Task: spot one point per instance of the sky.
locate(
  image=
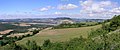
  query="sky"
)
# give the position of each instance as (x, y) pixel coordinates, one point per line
(98, 9)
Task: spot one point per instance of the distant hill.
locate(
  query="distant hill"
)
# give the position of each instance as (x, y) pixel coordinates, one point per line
(63, 18)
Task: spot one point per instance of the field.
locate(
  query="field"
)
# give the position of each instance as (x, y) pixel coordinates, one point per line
(19, 28)
(22, 24)
(59, 35)
(6, 32)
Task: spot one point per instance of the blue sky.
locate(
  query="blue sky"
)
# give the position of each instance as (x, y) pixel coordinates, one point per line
(11, 9)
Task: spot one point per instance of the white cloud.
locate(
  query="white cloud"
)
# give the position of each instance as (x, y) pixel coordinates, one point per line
(67, 7)
(43, 9)
(98, 9)
(57, 13)
(115, 10)
(105, 3)
(92, 6)
(88, 9)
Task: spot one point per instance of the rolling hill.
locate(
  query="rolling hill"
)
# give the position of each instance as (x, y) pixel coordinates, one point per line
(59, 35)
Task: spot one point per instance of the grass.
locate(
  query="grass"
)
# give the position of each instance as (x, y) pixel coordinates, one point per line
(59, 35)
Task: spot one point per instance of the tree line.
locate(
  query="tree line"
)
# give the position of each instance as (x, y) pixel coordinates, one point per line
(76, 25)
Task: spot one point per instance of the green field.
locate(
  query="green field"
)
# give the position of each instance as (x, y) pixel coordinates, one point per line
(59, 35)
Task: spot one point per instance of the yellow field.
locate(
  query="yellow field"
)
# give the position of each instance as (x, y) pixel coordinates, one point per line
(59, 35)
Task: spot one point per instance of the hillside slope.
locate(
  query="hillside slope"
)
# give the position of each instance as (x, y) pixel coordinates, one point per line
(59, 35)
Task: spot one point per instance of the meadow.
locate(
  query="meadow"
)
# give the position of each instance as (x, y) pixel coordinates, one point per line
(59, 35)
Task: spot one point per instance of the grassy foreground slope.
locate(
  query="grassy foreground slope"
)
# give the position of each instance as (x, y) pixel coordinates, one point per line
(59, 35)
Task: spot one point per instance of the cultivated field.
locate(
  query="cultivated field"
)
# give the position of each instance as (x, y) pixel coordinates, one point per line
(59, 35)
(22, 24)
(5, 32)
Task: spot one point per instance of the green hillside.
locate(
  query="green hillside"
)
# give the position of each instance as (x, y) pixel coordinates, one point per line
(59, 35)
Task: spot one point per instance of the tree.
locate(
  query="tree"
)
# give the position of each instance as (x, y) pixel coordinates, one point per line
(46, 43)
(13, 46)
(31, 45)
(1, 43)
(35, 32)
(115, 23)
